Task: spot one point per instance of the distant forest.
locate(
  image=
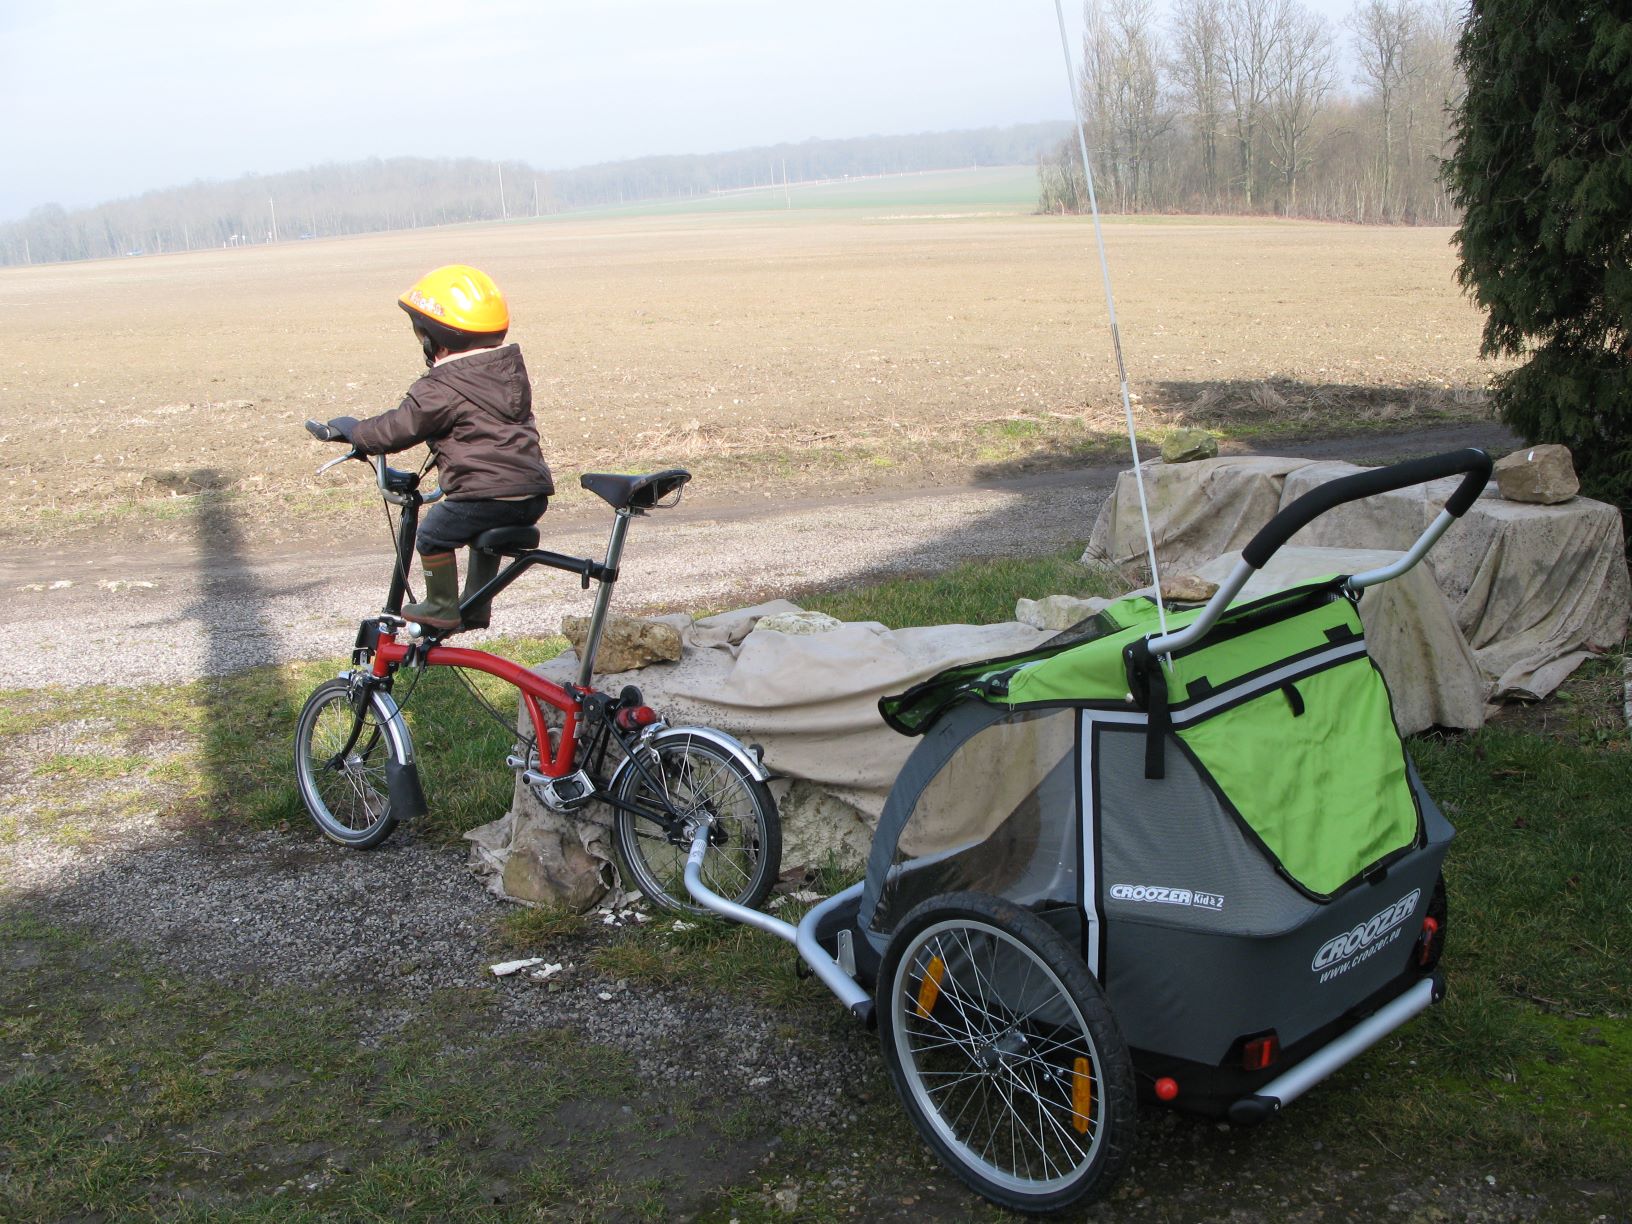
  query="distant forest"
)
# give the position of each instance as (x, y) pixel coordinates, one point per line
(409, 192)
(1244, 106)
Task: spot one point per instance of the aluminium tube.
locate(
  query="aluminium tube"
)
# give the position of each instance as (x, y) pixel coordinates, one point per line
(603, 597)
(803, 938)
(1288, 1087)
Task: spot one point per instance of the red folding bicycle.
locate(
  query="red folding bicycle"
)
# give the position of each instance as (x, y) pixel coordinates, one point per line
(354, 757)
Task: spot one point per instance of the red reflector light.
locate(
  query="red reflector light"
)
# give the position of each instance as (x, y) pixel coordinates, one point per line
(636, 716)
(1425, 941)
(1167, 1088)
(1260, 1053)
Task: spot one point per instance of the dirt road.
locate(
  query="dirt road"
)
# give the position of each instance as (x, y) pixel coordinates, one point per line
(140, 614)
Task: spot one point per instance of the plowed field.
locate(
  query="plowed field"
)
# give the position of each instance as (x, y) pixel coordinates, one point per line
(761, 350)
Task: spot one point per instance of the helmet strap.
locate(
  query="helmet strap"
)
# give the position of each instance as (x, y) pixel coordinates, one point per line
(427, 345)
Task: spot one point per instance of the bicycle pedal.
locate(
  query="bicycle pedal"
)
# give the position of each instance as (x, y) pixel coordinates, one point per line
(566, 794)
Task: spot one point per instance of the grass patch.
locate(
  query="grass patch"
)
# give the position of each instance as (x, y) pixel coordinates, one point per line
(975, 593)
(527, 928)
(131, 1093)
(221, 750)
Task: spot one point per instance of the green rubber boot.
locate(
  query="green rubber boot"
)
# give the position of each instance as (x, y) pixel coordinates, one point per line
(440, 607)
(484, 567)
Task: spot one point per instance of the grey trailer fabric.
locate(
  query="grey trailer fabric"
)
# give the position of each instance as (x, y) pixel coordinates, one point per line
(990, 805)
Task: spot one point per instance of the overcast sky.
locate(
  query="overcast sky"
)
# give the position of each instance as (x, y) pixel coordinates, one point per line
(109, 98)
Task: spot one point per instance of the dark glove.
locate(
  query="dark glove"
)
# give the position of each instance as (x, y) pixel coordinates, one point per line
(342, 426)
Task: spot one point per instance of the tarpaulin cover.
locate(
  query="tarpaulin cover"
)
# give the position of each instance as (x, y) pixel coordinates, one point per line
(1534, 589)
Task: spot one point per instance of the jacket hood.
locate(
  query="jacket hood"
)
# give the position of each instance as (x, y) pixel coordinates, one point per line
(495, 379)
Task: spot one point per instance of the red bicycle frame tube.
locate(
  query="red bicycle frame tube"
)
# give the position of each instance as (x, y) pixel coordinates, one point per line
(534, 689)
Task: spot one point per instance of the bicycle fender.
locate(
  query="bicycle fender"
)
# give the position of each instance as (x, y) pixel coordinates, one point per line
(392, 723)
(407, 796)
(732, 746)
(402, 786)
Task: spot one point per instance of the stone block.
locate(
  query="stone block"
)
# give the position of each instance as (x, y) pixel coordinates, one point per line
(1544, 475)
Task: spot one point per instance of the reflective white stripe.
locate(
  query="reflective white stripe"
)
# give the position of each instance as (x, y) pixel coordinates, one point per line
(1090, 878)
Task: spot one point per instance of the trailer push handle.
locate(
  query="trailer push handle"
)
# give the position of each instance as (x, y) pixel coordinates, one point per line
(1473, 465)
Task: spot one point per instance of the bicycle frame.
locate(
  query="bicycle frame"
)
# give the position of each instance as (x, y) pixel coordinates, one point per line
(536, 691)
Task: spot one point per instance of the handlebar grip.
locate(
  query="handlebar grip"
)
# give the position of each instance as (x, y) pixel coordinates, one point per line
(322, 432)
(1291, 519)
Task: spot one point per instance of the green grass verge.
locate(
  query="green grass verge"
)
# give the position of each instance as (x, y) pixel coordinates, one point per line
(222, 750)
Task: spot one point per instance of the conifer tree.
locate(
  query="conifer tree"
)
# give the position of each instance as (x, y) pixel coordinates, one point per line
(1542, 170)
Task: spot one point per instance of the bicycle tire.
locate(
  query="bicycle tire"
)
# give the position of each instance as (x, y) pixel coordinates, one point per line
(348, 799)
(1005, 1054)
(697, 776)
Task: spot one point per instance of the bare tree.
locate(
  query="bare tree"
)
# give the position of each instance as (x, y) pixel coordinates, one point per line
(1302, 73)
(1197, 73)
(1382, 31)
(1139, 113)
(1252, 29)
(1433, 90)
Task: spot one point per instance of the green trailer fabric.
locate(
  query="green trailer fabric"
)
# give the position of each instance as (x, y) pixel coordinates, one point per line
(1278, 705)
(1315, 769)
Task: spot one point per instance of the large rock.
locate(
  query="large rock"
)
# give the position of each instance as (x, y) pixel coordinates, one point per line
(1056, 611)
(626, 642)
(1187, 588)
(1189, 445)
(798, 623)
(1543, 474)
(548, 866)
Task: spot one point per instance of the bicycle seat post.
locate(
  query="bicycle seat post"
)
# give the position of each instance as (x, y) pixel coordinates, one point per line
(603, 596)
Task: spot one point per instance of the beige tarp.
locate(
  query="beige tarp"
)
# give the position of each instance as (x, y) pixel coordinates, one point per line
(1198, 511)
(1537, 589)
(811, 701)
(1534, 589)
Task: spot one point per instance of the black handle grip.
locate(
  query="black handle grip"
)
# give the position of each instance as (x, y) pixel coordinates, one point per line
(322, 432)
(1292, 519)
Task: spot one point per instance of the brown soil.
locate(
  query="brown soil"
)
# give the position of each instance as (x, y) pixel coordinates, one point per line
(813, 350)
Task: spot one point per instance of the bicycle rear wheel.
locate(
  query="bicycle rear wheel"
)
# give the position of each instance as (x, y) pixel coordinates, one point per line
(696, 778)
(341, 756)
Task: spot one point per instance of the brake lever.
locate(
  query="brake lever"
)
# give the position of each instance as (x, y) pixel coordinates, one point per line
(353, 453)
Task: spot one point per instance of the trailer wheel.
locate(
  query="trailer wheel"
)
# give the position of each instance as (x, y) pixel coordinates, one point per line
(1005, 1054)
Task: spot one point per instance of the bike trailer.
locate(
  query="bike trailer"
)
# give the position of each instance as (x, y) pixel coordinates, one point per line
(1235, 843)
(1179, 856)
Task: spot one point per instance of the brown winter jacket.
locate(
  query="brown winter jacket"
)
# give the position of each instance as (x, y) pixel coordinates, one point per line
(476, 414)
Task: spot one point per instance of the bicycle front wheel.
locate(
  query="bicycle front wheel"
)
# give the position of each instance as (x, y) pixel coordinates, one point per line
(695, 779)
(342, 749)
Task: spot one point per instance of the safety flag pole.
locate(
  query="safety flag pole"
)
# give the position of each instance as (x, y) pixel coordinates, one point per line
(1110, 306)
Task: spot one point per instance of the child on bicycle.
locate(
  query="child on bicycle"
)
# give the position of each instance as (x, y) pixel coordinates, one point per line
(474, 409)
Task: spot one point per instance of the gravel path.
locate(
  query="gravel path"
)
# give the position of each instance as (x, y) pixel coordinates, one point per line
(148, 613)
(216, 606)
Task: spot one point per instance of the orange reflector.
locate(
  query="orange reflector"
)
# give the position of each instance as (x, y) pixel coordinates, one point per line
(930, 988)
(1082, 1096)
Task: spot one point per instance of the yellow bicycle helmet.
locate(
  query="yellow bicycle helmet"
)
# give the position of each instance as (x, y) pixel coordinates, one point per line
(456, 307)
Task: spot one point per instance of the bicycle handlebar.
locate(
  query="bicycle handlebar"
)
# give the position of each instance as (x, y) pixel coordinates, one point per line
(392, 490)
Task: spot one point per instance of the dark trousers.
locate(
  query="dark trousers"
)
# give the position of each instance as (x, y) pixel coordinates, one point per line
(453, 524)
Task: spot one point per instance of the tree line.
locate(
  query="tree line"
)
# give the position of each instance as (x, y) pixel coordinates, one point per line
(1241, 106)
(409, 192)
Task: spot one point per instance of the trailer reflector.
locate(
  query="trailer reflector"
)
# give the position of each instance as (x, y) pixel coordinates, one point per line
(1082, 1095)
(930, 988)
